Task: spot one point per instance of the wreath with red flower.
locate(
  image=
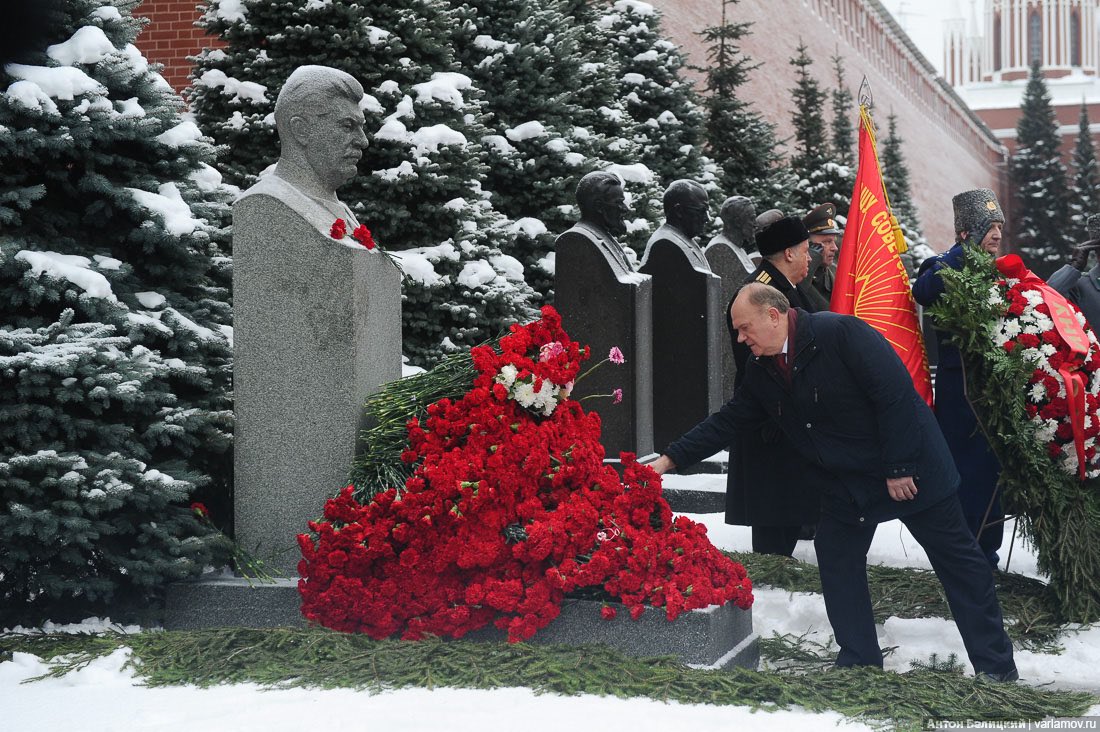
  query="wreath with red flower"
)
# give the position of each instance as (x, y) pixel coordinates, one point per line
(509, 508)
(1027, 326)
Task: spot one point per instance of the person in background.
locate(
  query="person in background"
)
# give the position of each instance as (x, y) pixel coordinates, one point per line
(1075, 284)
(824, 241)
(979, 223)
(848, 409)
(768, 486)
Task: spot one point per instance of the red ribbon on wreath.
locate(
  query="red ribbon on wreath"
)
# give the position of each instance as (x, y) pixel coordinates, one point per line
(1070, 331)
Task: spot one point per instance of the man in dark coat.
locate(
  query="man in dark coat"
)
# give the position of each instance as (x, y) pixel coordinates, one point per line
(847, 404)
(978, 223)
(1080, 287)
(824, 242)
(768, 486)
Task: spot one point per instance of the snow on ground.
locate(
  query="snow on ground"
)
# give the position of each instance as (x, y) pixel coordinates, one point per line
(106, 697)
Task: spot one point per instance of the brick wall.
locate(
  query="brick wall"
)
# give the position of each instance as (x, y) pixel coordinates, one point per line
(171, 36)
(947, 152)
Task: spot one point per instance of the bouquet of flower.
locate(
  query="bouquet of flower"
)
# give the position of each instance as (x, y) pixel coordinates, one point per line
(509, 507)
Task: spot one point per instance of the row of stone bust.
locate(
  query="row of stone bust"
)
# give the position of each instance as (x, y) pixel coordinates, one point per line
(667, 318)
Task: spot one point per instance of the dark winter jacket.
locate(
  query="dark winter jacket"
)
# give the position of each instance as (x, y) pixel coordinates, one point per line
(850, 411)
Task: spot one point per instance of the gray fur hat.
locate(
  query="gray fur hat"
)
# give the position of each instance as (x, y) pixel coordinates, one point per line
(1094, 226)
(975, 211)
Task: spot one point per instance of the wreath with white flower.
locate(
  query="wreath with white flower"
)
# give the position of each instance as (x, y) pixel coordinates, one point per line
(1018, 356)
(1027, 327)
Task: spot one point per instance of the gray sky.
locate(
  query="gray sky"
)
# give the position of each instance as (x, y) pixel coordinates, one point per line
(923, 21)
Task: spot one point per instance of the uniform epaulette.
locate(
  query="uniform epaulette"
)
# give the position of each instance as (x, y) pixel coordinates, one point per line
(764, 277)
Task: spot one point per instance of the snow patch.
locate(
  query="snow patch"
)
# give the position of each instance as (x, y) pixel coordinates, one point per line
(183, 133)
(634, 173)
(30, 95)
(376, 35)
(231, 87)
(109, 263)
(89, 45)
(428, 139)
(650, 55)
(508, 266)
(107, 12)
(130, 108)
(416, 267)
(71, 267)
(206, 178)
(445, 86)
(167, 202)
(476, 273)
(633, 78)
(371, 104)
(151, 300)
(531, 227)
(231, 11)
(57, 82)
(488, 43)
(526, 131)
(499, 143)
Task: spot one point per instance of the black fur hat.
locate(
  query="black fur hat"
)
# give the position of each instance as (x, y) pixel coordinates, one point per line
(788, 231)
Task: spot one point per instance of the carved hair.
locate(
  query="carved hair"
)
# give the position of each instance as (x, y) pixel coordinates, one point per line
(679, 192)
(734, 205)
(763, 297)
(593, 189)
(309, 91)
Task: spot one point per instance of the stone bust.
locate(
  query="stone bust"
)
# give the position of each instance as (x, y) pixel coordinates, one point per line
(686, 216)
(602, 203)
(321, 140)
(738, 229)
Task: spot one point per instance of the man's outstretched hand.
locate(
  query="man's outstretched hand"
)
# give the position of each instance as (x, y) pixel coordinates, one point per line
(902, 489)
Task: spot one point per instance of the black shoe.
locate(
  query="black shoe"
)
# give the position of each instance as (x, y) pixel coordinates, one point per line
(989, 677)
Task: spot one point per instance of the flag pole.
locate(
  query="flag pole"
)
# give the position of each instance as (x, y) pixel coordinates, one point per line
(866, 103)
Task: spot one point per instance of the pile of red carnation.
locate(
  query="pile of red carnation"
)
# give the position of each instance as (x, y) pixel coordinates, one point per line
(506, 512)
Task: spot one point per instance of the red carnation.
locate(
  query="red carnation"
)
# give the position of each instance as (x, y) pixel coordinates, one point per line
(608, 612)
(339, 229)
(363, 236)
(200, 510)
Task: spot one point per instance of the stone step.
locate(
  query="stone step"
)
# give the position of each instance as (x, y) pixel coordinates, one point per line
(700, 493)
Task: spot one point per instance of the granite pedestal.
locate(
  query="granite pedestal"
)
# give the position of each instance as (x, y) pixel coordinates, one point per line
(687, 336)
(732, 264)
(317, 326)
(713, 637)
(604, 304)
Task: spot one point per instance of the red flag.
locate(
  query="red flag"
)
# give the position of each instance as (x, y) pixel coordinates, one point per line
(871, 282)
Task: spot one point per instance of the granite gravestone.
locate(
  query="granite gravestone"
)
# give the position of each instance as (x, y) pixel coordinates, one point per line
(730, 260)
(317, 329)
(687, 317)
(603, 302)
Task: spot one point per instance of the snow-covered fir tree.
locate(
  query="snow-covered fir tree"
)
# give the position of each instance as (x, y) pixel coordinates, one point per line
(895, 175)
(845, 112)
(1085, 196)
(1042, 227)
(820, 178)
(739, 140)
(524, 56)
(115, 326)
(668, 123)
(420, 188)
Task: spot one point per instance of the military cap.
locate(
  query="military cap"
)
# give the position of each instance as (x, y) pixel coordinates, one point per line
(786, 232)
(822, 220)
(975, 212)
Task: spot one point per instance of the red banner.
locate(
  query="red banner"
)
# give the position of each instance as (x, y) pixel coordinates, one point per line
(871, 281)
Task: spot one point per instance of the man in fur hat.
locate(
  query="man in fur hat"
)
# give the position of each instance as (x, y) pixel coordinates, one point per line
(769, 486)
(978, 223)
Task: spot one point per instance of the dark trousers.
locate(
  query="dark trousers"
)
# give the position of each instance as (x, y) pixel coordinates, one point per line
(958, 562)
(775, 539)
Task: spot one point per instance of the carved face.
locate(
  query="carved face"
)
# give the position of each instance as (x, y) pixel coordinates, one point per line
(738, 221)
(614, 210)
(334, 141)
(693, 213)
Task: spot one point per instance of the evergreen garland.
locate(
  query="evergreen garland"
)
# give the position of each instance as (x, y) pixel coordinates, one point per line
(1058, 514)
